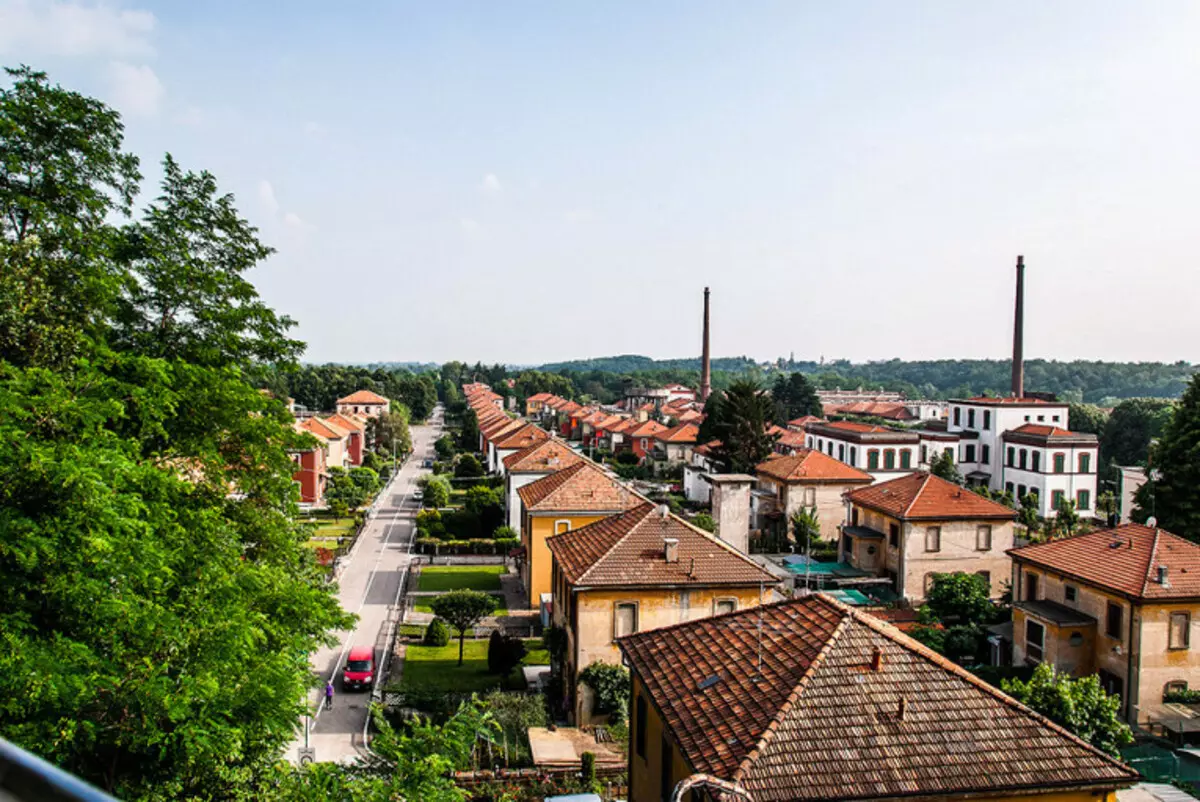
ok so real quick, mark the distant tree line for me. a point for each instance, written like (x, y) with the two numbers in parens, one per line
(318, 387)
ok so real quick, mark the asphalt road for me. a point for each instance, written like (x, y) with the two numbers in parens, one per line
(368, 585)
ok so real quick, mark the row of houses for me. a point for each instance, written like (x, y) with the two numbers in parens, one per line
(337, 440)
(736, 687)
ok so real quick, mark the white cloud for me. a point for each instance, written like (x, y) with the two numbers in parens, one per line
(292, 220)
(490, 184)
(135, 90)
(266, 197)
(48, 28)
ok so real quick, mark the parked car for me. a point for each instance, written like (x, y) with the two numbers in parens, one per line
(359, 671)
(418, 495)
(427, 463)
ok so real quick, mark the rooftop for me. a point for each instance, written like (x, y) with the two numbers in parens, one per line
(1006, 401)
(922, 496)
(807, 465)
(1053, 434)
(546, 456)
(580, 488)
(363, 397)
(523, 437)
(833, 703)
(682, 433)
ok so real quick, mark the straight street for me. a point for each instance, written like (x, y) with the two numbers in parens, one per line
(368, 585)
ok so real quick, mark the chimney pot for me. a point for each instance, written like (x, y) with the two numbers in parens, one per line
(877, 659)
(671, 549)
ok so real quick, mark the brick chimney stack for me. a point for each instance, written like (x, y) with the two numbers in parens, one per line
(705, 357)
(1018, 355)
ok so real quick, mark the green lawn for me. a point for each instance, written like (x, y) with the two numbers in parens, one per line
(460, 577)
(435, 668)
(321, 543)
(423, 605)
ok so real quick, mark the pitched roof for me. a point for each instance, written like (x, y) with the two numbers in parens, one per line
(681, 433)
(582, 487)
(1124, 560)
(500, 431)
(804, 420)
(523, 437)
(852, 426)
(322, 428)
(351, 423)
(648, 428)
(807, 465)
(544, 457)
(1049, 434)
(791, 439)
(627, 550)
(921, 495)
(691, 416)
(802, 714)
(363, 397)
(568, 407)
(609, 422)
(539, 397)
(880, 409)
(707, 449)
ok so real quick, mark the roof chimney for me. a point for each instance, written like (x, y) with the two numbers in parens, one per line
(705, 357)
(877, 659)
(671, 549)
(1018, 355)
(903, 708)
(1162, 576)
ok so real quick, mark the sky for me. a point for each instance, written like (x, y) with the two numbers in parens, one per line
(528, 182)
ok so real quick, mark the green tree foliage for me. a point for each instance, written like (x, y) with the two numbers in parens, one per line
(444, 447)
(961, 598)
(806, 528)
(504, 653)
(485, 506)
(1087, 418)
(437, 633)
(318, 387)
(532, 382)
(705, 521)
(739, 417)
(794, 397)
(944, 467)
(468, 436)
(388, 432)
(366, 480)
(1130, 428)
(467, 466)
(342, 489)
(1174, 497)
(1066, 522)
(611, 684)
(157, 604)
(1027, 513)
(1079, 705)
(462, 609)
(436, 489)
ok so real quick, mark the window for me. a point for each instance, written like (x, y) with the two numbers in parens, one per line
(625, 619)
(562, 526)
(983, 537)
(847, 548)
(639, 736)
(987, 419)
(889, 458)
(1181, 624)
(1060, 463)
(873, 460)
(987, 577)
(853, 456)
(1175, 686)
(810, 496)
(1012, 457)
(1036, 462)
(1035, 636)
(970, 419)
(854, 516)
(1041, 418)
(1027, 419)
(1031, 587)
(810, 442)
(1070, 593)
(969, 453)
(924, 454)
(958, 416)
(724, 606)
(842, 452)
(905, 458)
(1112, 621)
(985, 453)
(1008, 488)
(933, 538)
(830, 450)
(1057, 497)
(1083, 500)
(894, 535)
(1021, 491)
(1022, 457)
(1085, 463)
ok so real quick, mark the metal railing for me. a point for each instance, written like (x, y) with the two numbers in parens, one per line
(28, 778)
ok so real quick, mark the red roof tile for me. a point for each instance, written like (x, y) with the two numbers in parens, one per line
(648, 428)
(363, 397)
(923, 496)
(547, 456)
(682, 434)
(811, 466)
(539, 397)
(524, 437)
(580, 488)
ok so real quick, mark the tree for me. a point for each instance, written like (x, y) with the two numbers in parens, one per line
(366, 480)
(806, 528)
(504, 653)
(444, 447)
(704, 521)
(1106, 505)
(1027, 513)
(739, 417)
(388, 433)
(436, 489)
(1131, 427)
(1067, 519)
(1172, 493)
(485, 506)
(1079, 705)
(961, 598)
(468, 436)
(611, 684)
(462, 609)
(342, 489)
(467, 466)
(944, 467)
(795, 397)
(338, 509)
(1087, 418)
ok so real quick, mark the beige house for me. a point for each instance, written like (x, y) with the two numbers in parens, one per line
(1120, 603)
(674, 446)
(811, 480)
(365, 403)
(636, 571)
(336, 438)
(917, 526)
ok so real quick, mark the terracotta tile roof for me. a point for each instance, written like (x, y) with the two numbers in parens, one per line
(682, 433)
(540, 397)
(1049, 434)
(581, 488)
(648, 428)
(351, 423)
(547, 456)
(691, 416)
(625, 426)
(1124, 560)
(627, 550)
(923, 496)
(804, 420)
(792, 439)
(1007, 400)
(524, 437)
(596, 417)
(495, 423)
(322, 428)
(810, 466)
(363, 397)
(556, 403)
(880, 409)
(707, 449)
(804, 716)
(851, 426)
(584, 412)
(609, 422)
(499, 428)
(568, 407)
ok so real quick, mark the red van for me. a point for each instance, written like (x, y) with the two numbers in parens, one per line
(360, 668)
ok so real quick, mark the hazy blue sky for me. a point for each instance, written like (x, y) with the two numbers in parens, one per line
(534, 181)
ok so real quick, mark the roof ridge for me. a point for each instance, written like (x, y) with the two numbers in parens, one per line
(1150, 563)
(917, 495)
(616, 541)
(894, 634)
(772, 727)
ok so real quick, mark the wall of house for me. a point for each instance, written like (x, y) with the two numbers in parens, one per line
(366, 410)
(645, 770)
(957, 553)
(512, 501)
(694, 487)
(731, 512)
(534, 531)
(1078, 661)
(1157, 663)
(1045, 481)
(310, 475)
(338, 455)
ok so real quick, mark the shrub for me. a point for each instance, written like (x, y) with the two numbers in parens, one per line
(704, 521)
(504, 653)
(627, 458)
(506, 544)
(611, 685)
(505, 533)
(468, 465)
(437, 633)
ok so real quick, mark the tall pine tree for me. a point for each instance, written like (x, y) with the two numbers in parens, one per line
(1174, 497)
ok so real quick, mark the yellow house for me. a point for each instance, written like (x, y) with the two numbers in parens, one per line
(566, 500)
(917, 526)
(1120, 603)
(636, 571)
(812, 700)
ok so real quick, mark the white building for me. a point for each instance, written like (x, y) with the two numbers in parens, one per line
(695, 488)
(1059, 465)
(884, 453)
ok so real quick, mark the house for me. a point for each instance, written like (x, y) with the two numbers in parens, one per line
(535, 402)
(810, 700)
(678, 392)
(674, 446)
(1120, 603)
(811, 480)
(587, 426)
(1055, 464)
(605, 427)
(527, 466)
(496, 430)
(691, 416)
(565, 500)
(888, 410)
(790, 442)
(356, 429)
(920, 525)
(337, 440)
(365, 403)
(642, 569)
(799, 423)
(702, 462)
(613, 436)
(516, 440)
(882, 452)
(312, 473)
(641, 438)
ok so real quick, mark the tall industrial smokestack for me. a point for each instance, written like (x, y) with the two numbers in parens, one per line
(705, 357)
(1018, 356)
